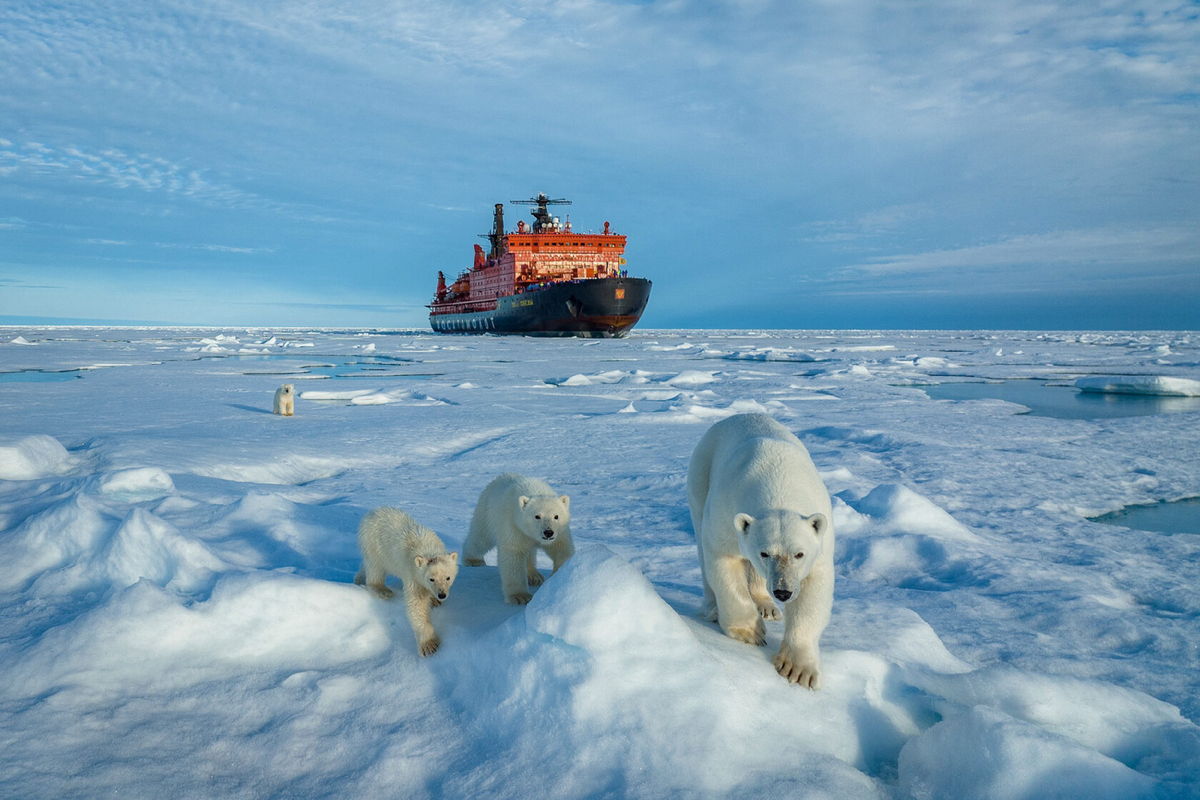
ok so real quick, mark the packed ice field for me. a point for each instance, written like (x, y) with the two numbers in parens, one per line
(178, 615)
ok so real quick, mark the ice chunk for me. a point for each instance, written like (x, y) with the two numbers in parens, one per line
(1139, 384)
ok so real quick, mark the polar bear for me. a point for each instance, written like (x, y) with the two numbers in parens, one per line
(764, 527)
(517, 515)
(285, 400)
(393, 543)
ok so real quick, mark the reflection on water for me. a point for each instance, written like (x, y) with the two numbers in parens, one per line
(1181, 516)
(36, 376)
(1063, 402)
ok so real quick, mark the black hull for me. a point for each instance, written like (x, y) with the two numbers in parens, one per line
(597, 307)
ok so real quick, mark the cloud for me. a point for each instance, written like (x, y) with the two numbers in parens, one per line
(16, 283)
(866, 225)
(1085, 251)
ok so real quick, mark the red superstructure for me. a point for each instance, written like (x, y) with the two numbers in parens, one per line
(530, 257)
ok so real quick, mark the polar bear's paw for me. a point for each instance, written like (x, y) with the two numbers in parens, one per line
(430, 646)
(382, 592)
(768, 610)
(473, 562)
(756, 635)
(799, 667)
(518, 598)
(709, 612)
(535, 578)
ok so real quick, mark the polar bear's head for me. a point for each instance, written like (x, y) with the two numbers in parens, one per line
(287, 389)
(438, 573)
(543, 517)
(782, 546)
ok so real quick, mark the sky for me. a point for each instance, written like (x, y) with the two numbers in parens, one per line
(850, 164)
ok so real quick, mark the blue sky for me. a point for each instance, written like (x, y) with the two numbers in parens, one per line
(851, 164)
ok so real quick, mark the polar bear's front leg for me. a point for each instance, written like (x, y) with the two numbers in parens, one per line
(758, 590)
(805, 618)
(416, 603)
(560, 551)
(736, 611)
(532, 574)
(513, 575)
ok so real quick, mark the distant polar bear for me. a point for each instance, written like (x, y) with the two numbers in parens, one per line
(285, 400)
(393, 543)
(517, 515)
(763, 521)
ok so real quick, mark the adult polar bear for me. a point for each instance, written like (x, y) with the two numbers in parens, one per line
(763, 521)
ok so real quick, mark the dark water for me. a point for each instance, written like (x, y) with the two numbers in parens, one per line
(1064, 402)
(34, 376)
(1181, 516)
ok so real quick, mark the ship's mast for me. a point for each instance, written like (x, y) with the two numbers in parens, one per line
(542, 220)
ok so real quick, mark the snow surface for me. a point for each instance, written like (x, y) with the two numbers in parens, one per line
(177, 612)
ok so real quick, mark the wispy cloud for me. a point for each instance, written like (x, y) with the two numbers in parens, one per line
(1090, 250)
(15, 283)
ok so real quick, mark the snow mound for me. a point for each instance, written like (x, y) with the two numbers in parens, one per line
(407, 396)
(148, 639)
(615, 376)
(896, 536)
(692, 377)
(76, 545)
(599, 663)
(288, 470)
(33, 457)
(136, 485)
(21, 340)
(770, 354)
(1140, 384)
(346, 395)
(898, 509)
(696, 408)
(986, 753)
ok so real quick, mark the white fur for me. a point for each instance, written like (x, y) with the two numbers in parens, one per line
(393, 543)
(285, 400)
(513, 514)
(753, 489)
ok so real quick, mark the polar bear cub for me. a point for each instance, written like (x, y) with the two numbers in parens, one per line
(764, 529)
(285, 400)
(518, 515)
(393, 543)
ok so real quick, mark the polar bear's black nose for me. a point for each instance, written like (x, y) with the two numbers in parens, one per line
(441, 595)
(547, 534)
(782, 595)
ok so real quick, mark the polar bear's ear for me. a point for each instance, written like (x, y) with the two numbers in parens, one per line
(566, 501)
(742, 522)
(420, 561)
(453, 556)
(819, 523)
(523, 500)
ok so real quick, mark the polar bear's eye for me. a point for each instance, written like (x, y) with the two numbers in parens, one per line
(537, 516)
(799, 555)
(764, 555)
(556, 516)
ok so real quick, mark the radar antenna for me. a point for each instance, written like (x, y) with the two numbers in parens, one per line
(541, 216)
